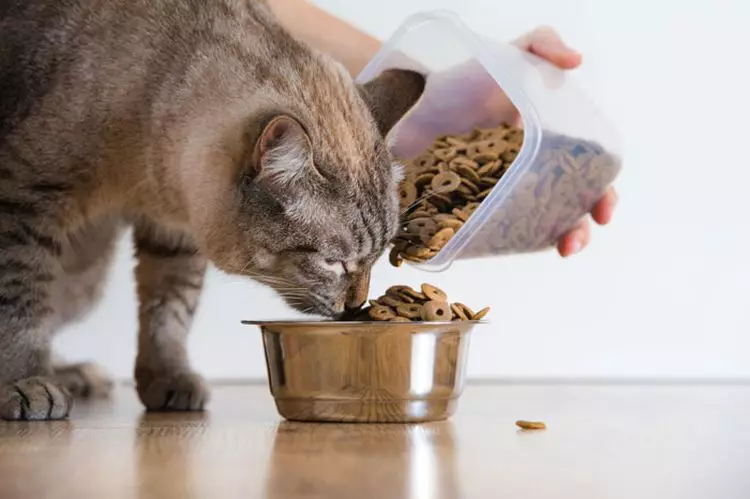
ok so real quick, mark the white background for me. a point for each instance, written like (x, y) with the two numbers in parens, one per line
(662, 292)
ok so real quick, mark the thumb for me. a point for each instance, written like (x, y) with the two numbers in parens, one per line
(547, 44)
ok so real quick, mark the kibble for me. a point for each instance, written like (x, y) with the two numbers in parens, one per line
(404, 304)
(433, 293)
(446, 185)
(531, 425)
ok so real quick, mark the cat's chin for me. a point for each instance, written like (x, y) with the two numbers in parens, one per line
(316, 310)
(318, 316)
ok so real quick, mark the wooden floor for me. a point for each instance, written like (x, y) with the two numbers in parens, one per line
(602, 442)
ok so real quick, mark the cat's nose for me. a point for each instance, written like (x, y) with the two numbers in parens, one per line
(353, 310)
(353, 306)
(358, 291)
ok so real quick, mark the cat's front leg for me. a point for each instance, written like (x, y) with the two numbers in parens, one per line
(170, 275)
(29, 263)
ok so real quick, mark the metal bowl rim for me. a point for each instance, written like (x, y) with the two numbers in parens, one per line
(358, 323)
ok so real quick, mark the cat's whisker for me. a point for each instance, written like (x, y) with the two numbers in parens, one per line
(277, 284)
(243, 269)
(295, 300)
(266, 277)
(427, 195)
(286, 293)
(278, 287)
(293, 292)
(275, 281)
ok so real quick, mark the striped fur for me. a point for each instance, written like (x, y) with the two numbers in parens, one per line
(163, 114)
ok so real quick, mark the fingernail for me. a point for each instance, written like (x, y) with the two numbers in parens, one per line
(553, 46)
(545, 46)
(576, 247)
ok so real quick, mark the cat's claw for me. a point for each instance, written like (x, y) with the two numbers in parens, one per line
(34, 399)
(176, 392)
(85, 380)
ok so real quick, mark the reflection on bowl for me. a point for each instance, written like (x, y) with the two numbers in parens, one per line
(365, 371)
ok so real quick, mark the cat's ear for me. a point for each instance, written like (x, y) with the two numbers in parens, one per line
(282, 152)
(391, 95)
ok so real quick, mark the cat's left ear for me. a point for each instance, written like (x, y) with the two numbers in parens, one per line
(391, 95)
(282, 152)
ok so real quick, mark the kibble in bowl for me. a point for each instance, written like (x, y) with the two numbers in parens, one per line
(402, 303)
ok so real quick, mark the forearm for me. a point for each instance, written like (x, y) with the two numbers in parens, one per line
(342, 41)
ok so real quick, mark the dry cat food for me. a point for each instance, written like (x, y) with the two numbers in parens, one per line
(446, 185)
(531, 425)
(404, 304)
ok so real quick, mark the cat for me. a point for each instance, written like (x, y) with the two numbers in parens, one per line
(218, 137)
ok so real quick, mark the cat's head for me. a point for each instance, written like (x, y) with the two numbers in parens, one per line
(315, 200)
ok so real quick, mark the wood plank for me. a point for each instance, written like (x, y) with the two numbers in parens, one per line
(602, 441)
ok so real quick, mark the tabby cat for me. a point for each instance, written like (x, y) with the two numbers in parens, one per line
(214, 133)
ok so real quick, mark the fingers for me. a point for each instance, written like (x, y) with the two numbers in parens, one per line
(575, 240)
(546, 43)
(578, 237)
(604, 209)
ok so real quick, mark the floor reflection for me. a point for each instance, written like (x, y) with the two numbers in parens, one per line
(355, 460)
(165, 446)
(29, 446)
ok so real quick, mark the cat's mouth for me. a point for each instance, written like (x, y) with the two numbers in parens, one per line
(315, 304)
(349, 314)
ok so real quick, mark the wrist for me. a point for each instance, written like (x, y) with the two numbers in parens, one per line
(328, 34)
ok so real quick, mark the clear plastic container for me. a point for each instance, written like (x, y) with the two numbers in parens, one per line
(570, 152)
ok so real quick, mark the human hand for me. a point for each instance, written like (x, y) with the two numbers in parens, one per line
(485, 106)
(547, 44)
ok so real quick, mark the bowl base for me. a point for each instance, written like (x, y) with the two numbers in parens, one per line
(363, 411)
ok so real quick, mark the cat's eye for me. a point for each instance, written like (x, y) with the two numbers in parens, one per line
(304, 249)
(336, 266)
(333, 261)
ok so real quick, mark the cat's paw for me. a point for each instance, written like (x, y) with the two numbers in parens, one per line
(34, 399)
(185, 391)
(85, 380)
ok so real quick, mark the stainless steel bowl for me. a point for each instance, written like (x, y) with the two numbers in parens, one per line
(372, 372)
